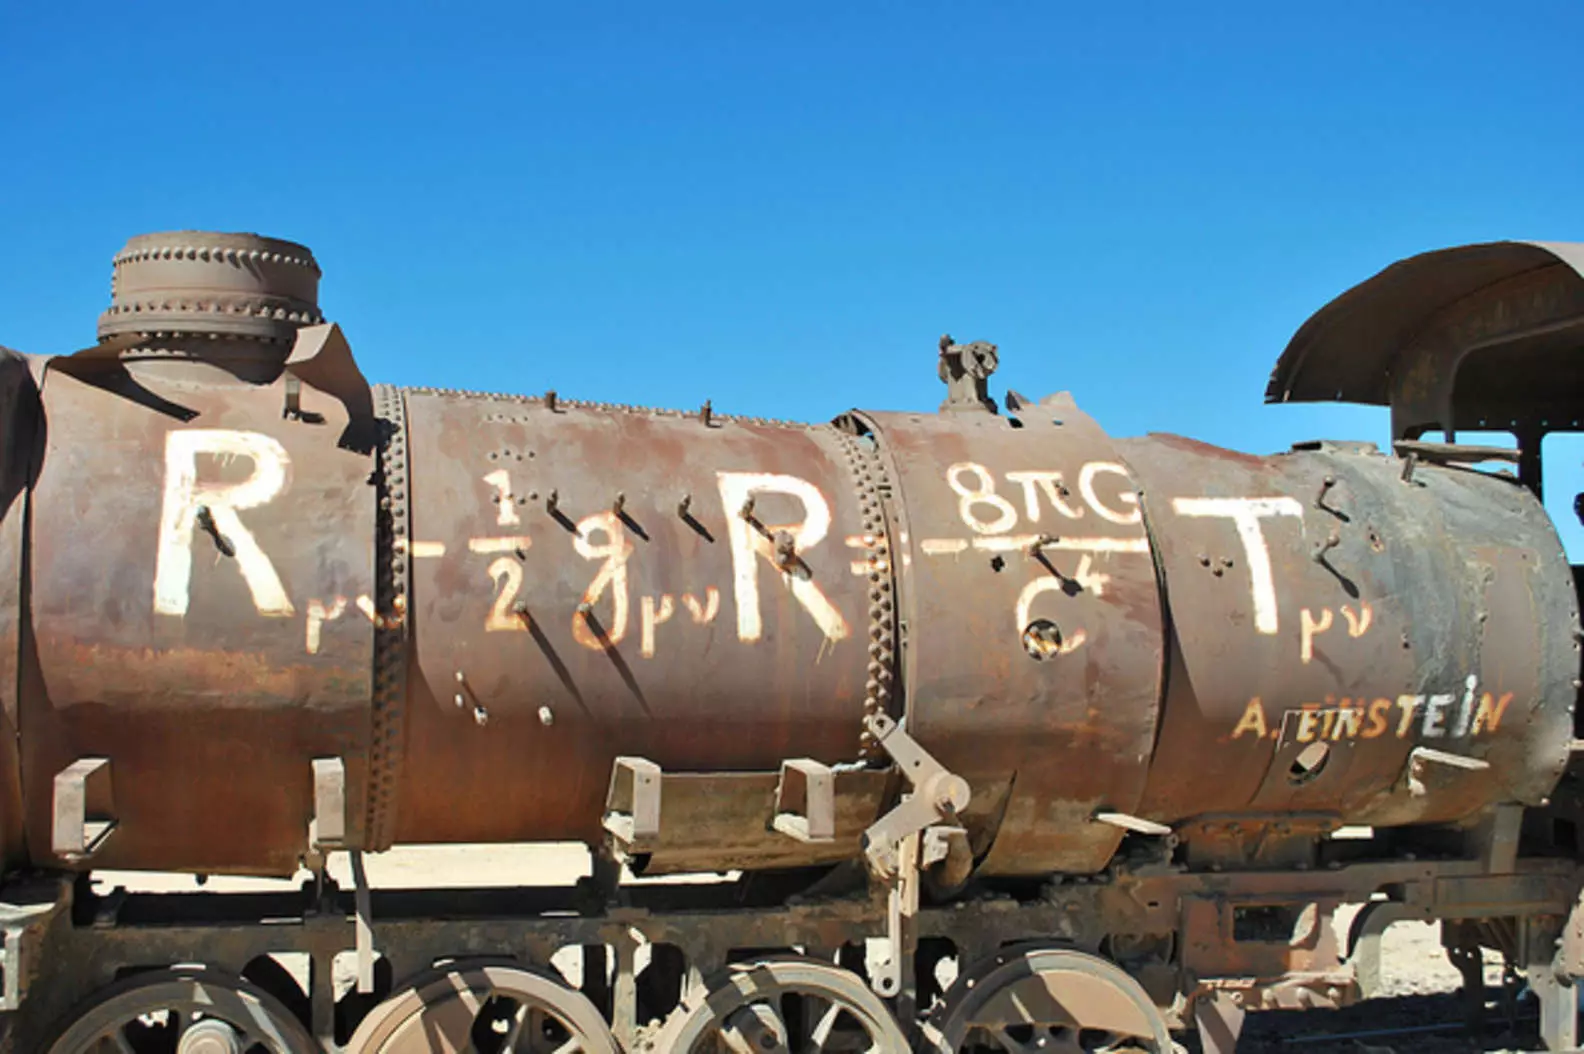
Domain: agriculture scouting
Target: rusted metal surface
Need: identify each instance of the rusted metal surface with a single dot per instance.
(213, 644)
(1476, 337)
(724, 820)
(1329, 618)
(242, 593)
(414, 929)
(590, 582)
(1033, 643)
(1346, 350)
(392, 636)
(1052, 994)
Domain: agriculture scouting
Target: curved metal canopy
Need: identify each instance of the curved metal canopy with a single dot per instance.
(1346, 351)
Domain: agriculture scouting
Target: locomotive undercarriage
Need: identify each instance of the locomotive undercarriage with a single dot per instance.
(665, 967)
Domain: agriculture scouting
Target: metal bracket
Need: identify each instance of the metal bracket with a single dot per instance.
(329, 826)
(1136, 824)
(364, 920)
(1419, 757)
(894, 844)
(84, 808)
(1454, 453)
(937, 795)
(1499, 838)
(22, 931)
(632, 805)
(806, 801)
(11, 968)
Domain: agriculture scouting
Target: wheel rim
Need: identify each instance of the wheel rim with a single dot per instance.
(185, 1012)
(484, 1008)
(784, 1006)
(1047, 1001)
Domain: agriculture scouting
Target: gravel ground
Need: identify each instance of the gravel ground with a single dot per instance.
(1420, 984)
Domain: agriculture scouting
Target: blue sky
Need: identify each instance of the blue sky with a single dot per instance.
(781, 207)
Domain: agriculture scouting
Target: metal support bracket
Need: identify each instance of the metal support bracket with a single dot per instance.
(937, 795)
(1420, 758)
(806, 801)
(84, 808)
(894, 846)
(1136, 824)
(23, 928)
(329, 826)
(632, 805)
(1219, 1020)
(365, 924)
(1498, 836)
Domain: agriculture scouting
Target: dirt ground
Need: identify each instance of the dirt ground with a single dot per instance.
(1421, 987)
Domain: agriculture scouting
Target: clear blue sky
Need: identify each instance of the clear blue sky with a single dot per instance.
(780, 207)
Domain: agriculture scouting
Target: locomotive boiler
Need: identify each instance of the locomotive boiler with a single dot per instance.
(1111, 725)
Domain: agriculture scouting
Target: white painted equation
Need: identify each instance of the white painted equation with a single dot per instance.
(993, 520)
(994, 523)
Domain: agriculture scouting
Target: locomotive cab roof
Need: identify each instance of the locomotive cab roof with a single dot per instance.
(1481, 337)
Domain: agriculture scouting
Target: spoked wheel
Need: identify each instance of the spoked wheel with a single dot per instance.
(484, 1008)
(185, 1012)
(1043, 1000)
(783, 1006)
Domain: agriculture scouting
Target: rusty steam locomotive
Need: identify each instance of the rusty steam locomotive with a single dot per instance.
(996, 731)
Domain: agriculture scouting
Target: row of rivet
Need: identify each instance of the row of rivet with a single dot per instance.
(183, 352)
(556, 404)
(245, 309)
(869, 474)
(388, 703)
(217, 254)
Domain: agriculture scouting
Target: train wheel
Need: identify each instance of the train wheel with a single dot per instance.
(185, 1011)
(1051, 1000)
(484, 1008)
(774, 1006)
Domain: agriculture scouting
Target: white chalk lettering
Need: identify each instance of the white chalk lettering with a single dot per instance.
(505, 500)
(1435, 716)
(1245, 514)
(1358, 622)
(587, 629)
(968, 498)
(653, 615)
(1023, 612)
(318, 615)
(1466, 711)
(703, 612)
(749, 545)
(1086, 478)
(1048, 483)
(185, 495)
(507, 575)
(1308, 628)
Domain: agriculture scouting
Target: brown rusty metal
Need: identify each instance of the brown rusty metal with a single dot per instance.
(389, 611)
(1154, 676)
(211, 691)
(236, 299)
(442, 1012)
(1316, 645)
(643, 632)
(724, 820)
(1480, 336)
(1056, 993)
(1042, 670)
(416, 928)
